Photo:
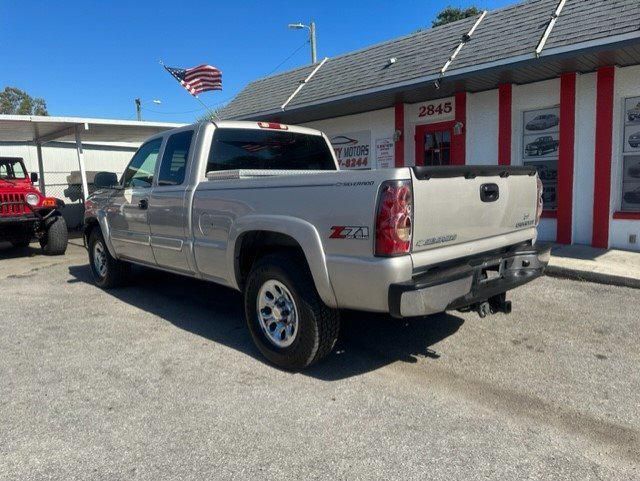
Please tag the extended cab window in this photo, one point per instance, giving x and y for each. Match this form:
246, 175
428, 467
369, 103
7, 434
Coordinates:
139, 172
268, 150
174, 159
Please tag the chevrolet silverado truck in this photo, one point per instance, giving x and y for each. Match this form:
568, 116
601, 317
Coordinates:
25, 213
263, 208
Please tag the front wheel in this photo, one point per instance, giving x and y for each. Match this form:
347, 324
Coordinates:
288, 321
56, 236
107, 271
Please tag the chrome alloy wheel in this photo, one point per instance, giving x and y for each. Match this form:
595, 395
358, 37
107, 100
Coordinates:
100, 259
277, 313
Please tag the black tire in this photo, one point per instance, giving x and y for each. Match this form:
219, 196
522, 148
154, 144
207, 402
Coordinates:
317, 324
115, 273
56, 237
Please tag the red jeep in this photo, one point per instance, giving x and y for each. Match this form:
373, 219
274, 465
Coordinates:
25, 212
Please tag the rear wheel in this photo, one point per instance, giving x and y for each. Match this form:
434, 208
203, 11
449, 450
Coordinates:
56, 236
107, 271
288, 321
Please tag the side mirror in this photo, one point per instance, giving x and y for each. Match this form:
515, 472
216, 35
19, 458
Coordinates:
34, 177
105, 180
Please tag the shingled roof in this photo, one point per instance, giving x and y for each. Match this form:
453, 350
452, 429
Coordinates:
507, 34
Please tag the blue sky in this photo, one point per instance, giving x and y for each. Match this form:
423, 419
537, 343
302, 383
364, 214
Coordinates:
91, 59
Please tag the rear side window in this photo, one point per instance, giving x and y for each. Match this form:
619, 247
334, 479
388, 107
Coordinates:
268, 150
174, 159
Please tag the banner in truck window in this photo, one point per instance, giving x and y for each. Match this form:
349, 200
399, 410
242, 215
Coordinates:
631, 156
540, 145
353, 149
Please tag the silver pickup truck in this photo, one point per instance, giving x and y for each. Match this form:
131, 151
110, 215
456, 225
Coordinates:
263, 208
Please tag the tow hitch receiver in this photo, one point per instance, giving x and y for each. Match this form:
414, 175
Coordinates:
494, 304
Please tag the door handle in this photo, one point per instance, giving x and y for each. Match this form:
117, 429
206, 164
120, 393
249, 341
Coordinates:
143, 204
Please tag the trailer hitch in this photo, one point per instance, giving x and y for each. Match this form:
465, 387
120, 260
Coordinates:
494, 304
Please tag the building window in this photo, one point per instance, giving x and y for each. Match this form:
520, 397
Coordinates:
540, 143
631, 156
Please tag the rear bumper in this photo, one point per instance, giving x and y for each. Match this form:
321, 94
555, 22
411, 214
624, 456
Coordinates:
467, 282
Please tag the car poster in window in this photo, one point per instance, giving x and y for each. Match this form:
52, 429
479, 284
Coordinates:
631, 183
540, 144
631, 156
542, 121
632, 138
353, 150
632, 110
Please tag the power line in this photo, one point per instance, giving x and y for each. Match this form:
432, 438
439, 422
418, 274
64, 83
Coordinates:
289, 57
173, 113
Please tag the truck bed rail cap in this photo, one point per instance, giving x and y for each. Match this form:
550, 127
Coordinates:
252, 174
471, 171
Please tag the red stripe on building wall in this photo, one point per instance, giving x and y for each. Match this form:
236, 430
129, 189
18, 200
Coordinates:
504, 124
603, 146
458, 152
565, 157
399, 126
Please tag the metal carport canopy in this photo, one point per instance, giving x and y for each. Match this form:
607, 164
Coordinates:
43, 129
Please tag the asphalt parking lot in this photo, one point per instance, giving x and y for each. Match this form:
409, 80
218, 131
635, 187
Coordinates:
160, 380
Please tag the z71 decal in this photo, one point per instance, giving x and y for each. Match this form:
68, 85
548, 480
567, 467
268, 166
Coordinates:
349, 232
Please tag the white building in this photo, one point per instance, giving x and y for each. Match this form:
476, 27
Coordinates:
59, 148
551, 83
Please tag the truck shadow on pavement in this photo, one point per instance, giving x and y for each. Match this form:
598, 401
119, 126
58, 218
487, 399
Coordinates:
367, 341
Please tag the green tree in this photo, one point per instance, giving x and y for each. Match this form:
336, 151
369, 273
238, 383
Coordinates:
451, 14
18, 102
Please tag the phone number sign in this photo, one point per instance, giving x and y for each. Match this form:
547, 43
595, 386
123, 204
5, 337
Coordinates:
353, 149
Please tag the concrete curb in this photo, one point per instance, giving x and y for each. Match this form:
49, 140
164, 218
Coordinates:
591, 276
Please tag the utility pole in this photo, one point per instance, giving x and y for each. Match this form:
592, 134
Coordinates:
312, 39
138, 108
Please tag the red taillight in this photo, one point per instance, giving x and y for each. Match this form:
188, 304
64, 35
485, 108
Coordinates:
394, 218
272, 125
540, 203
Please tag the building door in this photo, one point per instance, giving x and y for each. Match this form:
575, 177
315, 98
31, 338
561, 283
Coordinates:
434, 144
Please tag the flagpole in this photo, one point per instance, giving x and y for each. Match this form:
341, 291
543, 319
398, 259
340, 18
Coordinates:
212, 114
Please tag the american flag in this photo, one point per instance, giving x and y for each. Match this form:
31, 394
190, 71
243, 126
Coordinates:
197, 79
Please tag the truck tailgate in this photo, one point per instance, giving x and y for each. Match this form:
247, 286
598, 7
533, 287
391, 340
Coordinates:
454, 205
